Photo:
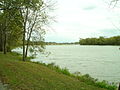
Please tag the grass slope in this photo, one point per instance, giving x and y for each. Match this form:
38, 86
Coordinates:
30, 76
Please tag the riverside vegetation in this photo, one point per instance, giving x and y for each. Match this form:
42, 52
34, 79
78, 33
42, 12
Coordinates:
100, 41
29, 75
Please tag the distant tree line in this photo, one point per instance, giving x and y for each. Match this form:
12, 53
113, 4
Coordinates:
55, 43
100, 41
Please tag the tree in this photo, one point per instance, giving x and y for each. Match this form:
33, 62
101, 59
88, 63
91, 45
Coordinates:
10, 24
33, 18
22, 19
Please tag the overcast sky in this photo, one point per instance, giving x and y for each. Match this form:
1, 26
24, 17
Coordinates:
84, 18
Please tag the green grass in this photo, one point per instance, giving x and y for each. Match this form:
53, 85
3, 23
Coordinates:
83, 78
21, 75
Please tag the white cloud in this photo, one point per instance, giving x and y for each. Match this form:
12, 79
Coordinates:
81, 18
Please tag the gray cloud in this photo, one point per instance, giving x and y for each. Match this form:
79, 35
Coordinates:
90, 8
110, 32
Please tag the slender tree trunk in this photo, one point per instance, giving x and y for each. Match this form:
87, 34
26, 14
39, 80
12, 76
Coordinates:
5, 36
4, 42
24, 44
28, 40
24, 31
27, 45
1, 40
29, 36
4, 32
23, 36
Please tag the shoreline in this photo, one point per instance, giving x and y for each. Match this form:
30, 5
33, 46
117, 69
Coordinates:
16, 70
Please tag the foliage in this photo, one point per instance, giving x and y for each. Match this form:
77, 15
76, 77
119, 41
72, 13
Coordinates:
10, 25
101, 41
58, 69
23, 22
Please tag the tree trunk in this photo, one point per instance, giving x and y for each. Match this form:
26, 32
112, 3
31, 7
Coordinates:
1, 40
28, 40
4, 42
24, 31
29, 36
5, 33
27, 45
24, 44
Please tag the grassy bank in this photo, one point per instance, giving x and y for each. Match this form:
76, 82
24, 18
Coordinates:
21, 75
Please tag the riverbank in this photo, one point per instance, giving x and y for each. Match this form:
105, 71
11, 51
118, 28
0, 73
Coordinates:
21, 75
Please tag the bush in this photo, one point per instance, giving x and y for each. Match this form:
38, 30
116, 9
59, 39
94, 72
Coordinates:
58, 69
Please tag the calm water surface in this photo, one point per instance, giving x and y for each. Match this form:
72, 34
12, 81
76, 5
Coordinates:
102, 62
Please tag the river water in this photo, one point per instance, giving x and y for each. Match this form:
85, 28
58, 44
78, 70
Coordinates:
102, 62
